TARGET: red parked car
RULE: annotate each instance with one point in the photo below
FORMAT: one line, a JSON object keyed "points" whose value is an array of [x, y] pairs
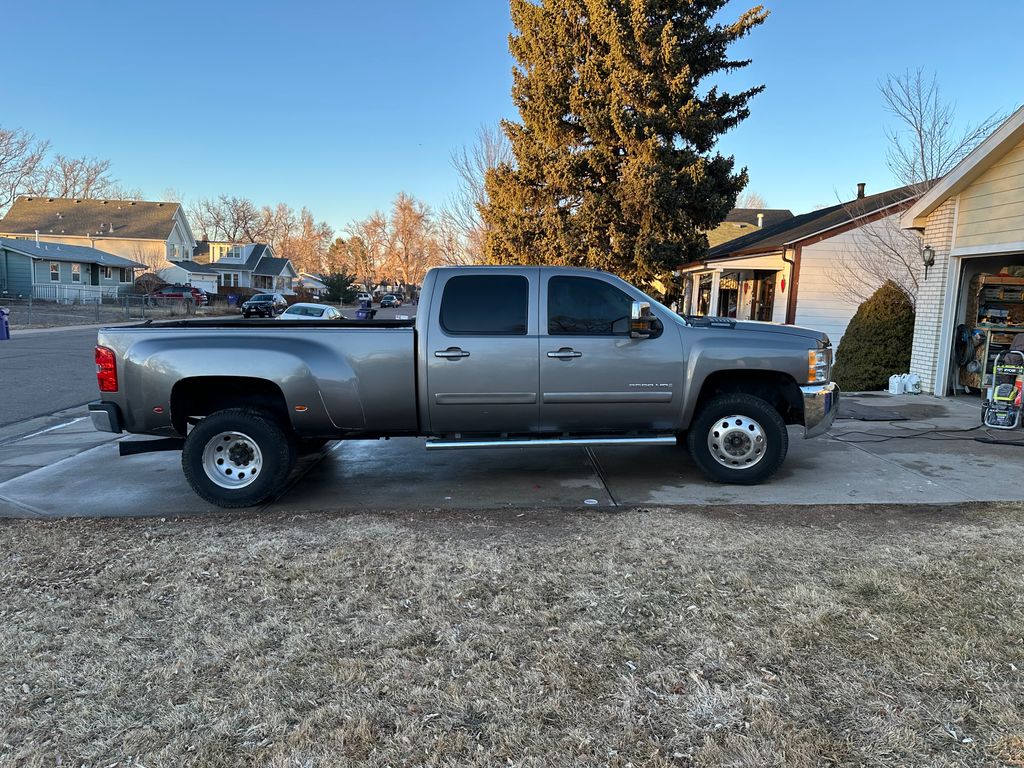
{"points": [[178, 293]]}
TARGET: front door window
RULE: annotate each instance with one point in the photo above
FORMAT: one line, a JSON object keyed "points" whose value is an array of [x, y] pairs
{"points": [[764, 296], [704, 295], [728, 294]]}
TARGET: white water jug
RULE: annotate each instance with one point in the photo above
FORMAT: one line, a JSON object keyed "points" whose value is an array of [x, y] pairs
{"points": [[895, 384]]}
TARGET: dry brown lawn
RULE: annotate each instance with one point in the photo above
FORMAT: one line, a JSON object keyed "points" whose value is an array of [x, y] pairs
{"points": [[742, 637]]}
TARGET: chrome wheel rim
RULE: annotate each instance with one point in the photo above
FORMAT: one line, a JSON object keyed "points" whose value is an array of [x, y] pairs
{"points": [[737, 442], [232, 460]]}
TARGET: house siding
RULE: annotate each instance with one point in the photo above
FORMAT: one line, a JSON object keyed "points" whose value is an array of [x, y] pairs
{"points": [[990, 209], [938, 234], [821, 303], [15, 272]]}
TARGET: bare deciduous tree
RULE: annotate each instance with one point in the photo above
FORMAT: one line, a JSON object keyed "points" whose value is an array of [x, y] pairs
{"points": [[751, 199], [152, 255], [462, 213], [26, 169], [231, 219], [21, 156], [925, 142], [76, 177], [307, 245], [923, 146], [411, 240]]}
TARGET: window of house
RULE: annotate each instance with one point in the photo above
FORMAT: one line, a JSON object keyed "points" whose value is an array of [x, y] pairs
{"points": [[76, 273], [54, 272], [108, 273], [583, 306], [485, 305], [122, 275]]}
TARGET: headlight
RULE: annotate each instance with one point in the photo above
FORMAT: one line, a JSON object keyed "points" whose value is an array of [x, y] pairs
{"points": [[819, 365]]}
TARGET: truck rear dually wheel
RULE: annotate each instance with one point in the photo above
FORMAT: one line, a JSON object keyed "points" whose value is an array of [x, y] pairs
{"points": [[738, 439], [238, 457]]}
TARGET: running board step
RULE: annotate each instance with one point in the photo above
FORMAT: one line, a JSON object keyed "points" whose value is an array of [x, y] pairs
{"points": [[440, 445]]}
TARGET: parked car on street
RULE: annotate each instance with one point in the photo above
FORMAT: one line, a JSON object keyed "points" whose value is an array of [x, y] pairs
{"points": [[264, 305], [390, 300], [178, 292], [306, 311], [363, 296], [497, 357]]}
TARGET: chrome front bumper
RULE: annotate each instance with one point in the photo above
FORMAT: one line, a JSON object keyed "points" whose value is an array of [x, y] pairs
{"points": [[821, 402]]}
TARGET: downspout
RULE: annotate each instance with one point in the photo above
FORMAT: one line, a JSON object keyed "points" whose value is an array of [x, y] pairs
{"points": [[794, 283]]}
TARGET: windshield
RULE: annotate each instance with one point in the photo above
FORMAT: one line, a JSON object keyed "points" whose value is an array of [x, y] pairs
{"points": [[262, 297]]}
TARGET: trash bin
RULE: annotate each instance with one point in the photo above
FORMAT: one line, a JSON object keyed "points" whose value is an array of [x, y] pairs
{"points": [[232, 299], [5, 326], [365, 314]]}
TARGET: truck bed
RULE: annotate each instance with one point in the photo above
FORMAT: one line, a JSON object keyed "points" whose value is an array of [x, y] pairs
{"points": [[335, 378]]}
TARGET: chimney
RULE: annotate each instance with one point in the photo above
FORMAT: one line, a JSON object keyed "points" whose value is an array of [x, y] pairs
{"points": [[37, 237], [860, 190], [760, 220]]}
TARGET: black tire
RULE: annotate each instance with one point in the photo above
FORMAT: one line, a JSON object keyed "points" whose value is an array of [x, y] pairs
{"points": [[274, 462], [750, 465], [246, 315]]}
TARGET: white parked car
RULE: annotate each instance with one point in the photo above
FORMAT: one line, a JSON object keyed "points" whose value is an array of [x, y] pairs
{"points": [[305, 311], [363, 296]]}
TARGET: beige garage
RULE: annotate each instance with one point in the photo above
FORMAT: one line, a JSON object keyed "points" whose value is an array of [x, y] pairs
{"points": [[973, 223]]}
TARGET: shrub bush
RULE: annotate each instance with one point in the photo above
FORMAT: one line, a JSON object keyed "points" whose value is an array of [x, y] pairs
{"points": [[877, 342]]}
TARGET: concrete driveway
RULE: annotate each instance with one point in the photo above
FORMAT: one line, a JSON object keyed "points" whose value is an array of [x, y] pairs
{"points": [[59, 466]]}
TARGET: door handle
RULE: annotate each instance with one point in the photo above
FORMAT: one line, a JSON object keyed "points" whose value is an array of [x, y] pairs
{"points": [[565, 353], [452, 353]]}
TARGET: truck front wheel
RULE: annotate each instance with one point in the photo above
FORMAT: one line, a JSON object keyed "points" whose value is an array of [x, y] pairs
{"points": [[238, 457], [738, 439]]}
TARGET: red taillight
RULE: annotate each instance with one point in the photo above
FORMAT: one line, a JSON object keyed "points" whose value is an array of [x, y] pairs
{"points": [[106, 369]]}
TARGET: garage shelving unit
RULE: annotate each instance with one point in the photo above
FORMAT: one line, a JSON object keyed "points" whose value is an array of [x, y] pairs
{"points": [[999, 309]]}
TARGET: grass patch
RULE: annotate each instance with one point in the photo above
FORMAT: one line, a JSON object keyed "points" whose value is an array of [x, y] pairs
{"points": [[657, 638]]}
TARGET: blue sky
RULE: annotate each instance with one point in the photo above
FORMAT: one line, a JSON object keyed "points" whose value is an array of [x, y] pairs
{"points": [[340, 105]]}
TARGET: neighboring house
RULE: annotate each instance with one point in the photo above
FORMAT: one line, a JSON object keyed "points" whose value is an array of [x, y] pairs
{"points": [[255, 266], [785, 272], [743, 221], [311, 282], [209, 251], [201, 276], [62, 272], [150, 233], [972, 220]]}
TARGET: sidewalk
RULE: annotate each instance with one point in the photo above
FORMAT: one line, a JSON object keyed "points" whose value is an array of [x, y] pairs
{"points": [[65, 468]]}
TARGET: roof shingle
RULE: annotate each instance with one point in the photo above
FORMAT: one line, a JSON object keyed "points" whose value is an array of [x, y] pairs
{"points": [[807, 224], [128, 219], [81, 254]]}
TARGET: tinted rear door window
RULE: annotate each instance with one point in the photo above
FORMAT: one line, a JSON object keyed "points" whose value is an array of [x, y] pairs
{"points": [[583, 306], [485, 305]]}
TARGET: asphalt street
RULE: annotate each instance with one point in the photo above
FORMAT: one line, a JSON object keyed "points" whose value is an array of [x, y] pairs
{"points": [[46, 371]]}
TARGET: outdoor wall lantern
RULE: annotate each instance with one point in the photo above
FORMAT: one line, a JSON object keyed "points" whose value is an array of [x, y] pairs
{"points": [[928, 259]]}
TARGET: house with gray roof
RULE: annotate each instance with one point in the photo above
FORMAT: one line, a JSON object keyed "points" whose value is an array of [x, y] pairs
{"points": [[62, 272], [798, 269], [254, 265], [149, 233], [185, 272]]}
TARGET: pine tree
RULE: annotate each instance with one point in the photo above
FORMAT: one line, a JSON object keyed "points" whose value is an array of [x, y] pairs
{"points": [[614, 155]]}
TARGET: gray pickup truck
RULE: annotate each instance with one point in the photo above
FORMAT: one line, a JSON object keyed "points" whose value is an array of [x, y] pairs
{"points": [[496, 357]]}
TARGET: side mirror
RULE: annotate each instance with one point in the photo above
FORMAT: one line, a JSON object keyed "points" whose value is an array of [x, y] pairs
{"points": [[641, 320]]}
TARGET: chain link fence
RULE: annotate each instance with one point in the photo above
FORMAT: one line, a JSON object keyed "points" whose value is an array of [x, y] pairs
{"points": [[31, 312]]}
